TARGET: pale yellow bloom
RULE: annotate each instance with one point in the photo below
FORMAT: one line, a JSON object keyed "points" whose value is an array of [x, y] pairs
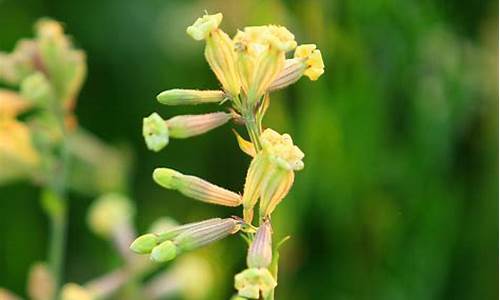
{"points": [[271, 173], [261, 56], [253, 282], [281, 150]]}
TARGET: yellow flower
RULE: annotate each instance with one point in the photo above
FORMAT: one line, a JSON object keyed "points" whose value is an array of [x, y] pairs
{"points": [[281, 150], [313, 59], [261, 57], [271, 173], [18, 156]]}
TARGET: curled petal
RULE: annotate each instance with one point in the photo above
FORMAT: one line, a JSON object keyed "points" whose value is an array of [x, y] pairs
{"points": [[245, 146], [203, 26]]}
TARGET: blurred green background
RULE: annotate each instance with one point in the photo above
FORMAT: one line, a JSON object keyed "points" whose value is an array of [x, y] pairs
{"points": [[399, 197]]}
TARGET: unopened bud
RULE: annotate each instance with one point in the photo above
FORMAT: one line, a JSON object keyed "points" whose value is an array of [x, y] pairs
{"points": [[203, 235], [155, 132], [109, 212], [41, 284], [144, 244], [253, 282], [189, 97], [192, 125], [164, 252], [175, 231], [195, 187], [260, 253]]}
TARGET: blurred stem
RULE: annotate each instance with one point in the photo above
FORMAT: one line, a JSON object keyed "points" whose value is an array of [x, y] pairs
{"points": [[59, 217]]}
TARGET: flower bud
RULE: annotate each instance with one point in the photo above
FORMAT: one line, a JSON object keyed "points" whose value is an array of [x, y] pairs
{"points": [[18, 64], [195, 187], [164, 252], [155, 132], [253, 282], [175, 231], [41, 283], [202, 235], [144, 244], [260, 253], [73, 291], [65, 66], [192, 125], [36, 88], [108, 213], [190, 97]]}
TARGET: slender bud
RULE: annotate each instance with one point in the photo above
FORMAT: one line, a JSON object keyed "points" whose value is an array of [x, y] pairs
{"points": [[253, 282], [173, 232], [195, 187], [155, 132], [291, 73], [189, 97], [144, 244], [203, 235], [192, 125], [260, 253], [164, 252]]}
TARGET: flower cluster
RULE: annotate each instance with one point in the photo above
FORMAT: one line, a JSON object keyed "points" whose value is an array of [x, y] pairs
{"points": [[249, 67]]}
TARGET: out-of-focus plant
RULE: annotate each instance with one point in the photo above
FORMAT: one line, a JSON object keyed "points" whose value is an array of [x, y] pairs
{"points": [[249, 67], [41, 141]]}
